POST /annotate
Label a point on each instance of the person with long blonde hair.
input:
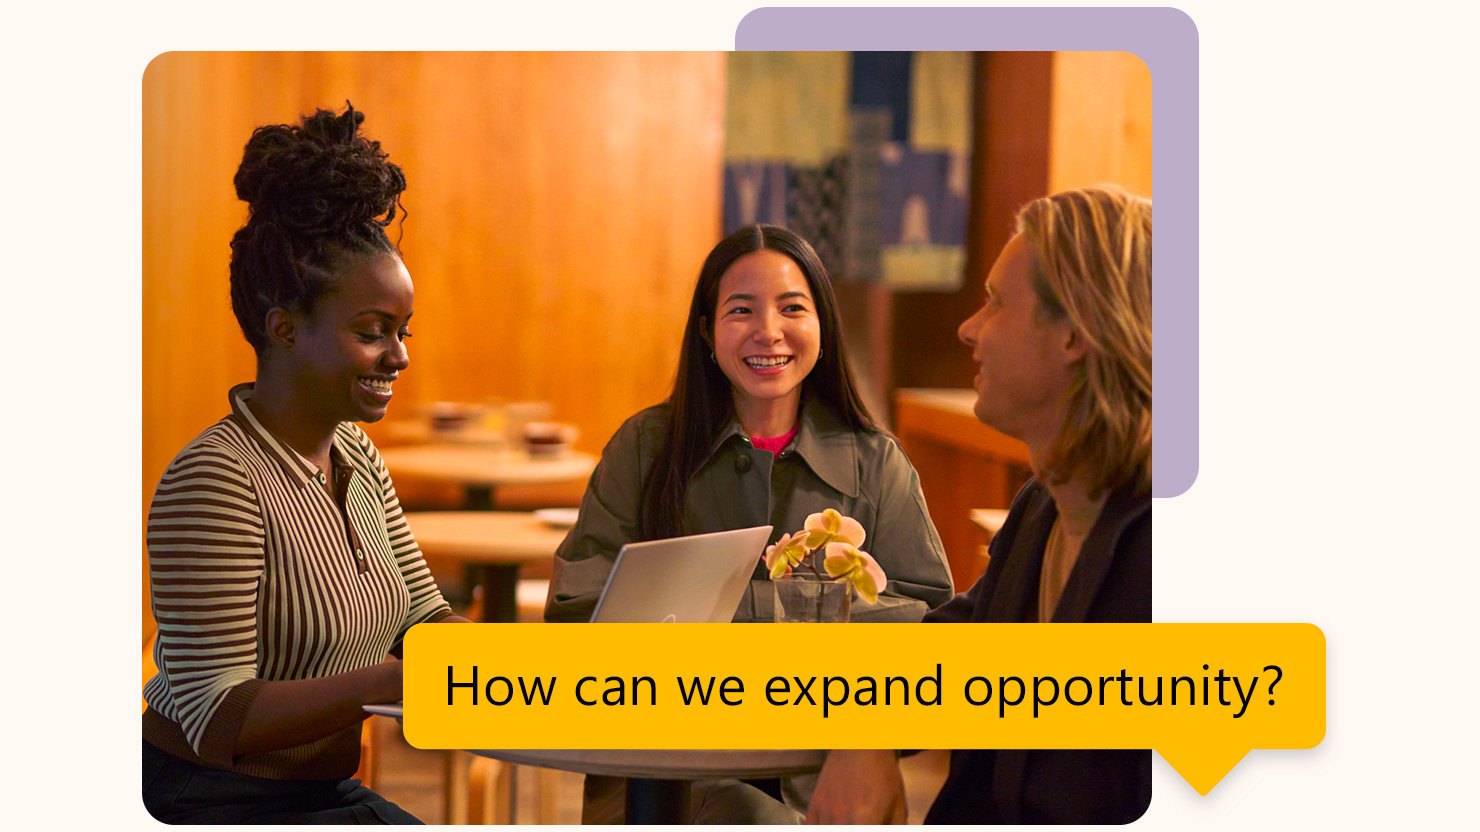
(1063, 351)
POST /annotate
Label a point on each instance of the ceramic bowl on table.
(548, 439)
(451, 417)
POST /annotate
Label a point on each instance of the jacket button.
(742, 463)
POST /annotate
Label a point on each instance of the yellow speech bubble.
(1202, 695)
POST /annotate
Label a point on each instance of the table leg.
(657, 801)
(500, 582)
(478, 498)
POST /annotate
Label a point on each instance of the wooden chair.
(369, 745)
(491, 786)
(490, 792)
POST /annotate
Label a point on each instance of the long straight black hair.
(701, 402)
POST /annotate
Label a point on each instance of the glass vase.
(805, 597)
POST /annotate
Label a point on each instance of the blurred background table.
(397, 432)
(481, 470)
(492, 545)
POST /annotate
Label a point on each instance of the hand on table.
(859, 786)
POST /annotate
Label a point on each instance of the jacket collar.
(825, 444)
(295, 465)
(1017, 597)
(1123, 507)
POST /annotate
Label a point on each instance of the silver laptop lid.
(689, 580)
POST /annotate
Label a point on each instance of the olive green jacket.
(864, 475)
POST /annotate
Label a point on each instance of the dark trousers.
(179, 791)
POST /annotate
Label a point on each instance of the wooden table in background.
(493, 545)
(481, 470)
(393, 433)
(963, 465)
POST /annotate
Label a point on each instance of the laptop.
(694, 579)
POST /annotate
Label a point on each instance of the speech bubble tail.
(1203, 767)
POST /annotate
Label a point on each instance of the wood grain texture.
(559, 207)
(1101, 121)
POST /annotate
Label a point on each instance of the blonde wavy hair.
(1091, 253)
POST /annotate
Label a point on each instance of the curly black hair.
(316, 193)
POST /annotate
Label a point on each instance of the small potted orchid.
(820, 591)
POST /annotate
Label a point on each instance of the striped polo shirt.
(257, 574)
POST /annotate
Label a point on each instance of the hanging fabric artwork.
(865, 154)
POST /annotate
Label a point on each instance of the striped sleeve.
(427, 603)
(206, 543)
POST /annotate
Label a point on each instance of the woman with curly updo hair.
(281, 570)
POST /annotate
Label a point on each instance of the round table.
(393, 433)
(492, 544)
(658, 791)
(480, 470)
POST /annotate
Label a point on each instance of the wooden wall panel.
(560, 205)
(1101, 121)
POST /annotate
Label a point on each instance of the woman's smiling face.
(352, 348)
(766, 334)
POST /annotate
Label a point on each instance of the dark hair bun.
(319, 178)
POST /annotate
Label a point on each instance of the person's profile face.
(1022, 370)
(766, 334)
(352, 348)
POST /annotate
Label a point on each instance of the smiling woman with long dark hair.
(763, 427)
(281, 571)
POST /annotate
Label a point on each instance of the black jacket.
(1110, 582)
